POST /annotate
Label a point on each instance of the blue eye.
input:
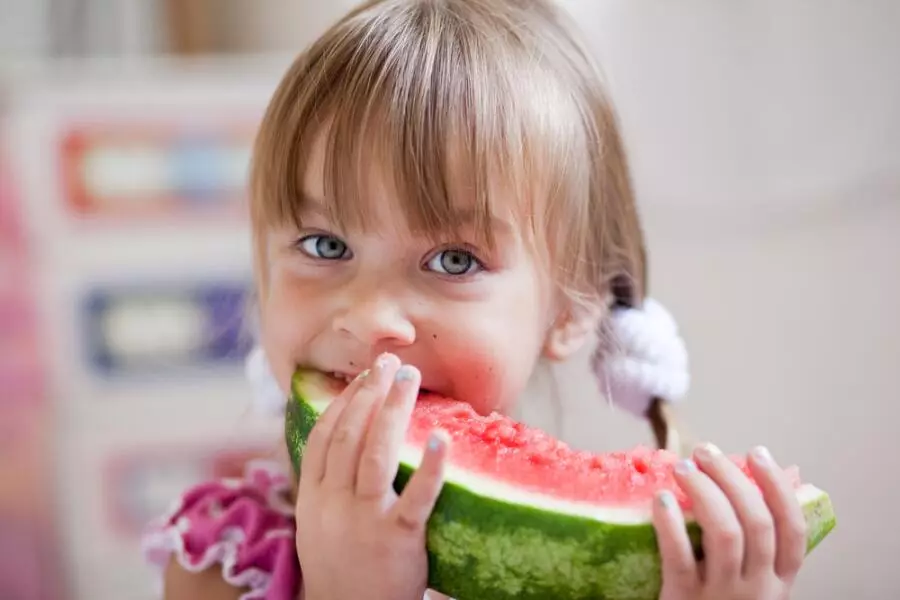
(455, 262)
(325, 247)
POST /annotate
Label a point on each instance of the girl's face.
(474, 320)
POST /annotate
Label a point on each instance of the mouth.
(341, 376)
(346, 378)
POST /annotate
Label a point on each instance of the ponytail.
(641, 362)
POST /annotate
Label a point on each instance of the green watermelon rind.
(481, 546)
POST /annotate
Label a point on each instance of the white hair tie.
(641, 356)
(268, 399)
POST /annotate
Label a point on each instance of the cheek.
(285, 328)
(490, 381)
(490, 359)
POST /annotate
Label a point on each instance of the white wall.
(766, 144)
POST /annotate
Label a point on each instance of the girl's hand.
(754, 542)
(355, 537)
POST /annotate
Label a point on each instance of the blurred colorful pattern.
(29, 566)
(124, 290)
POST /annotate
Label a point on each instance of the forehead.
(380, 200)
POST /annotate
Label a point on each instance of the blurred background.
(765, 141)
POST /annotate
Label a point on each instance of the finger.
(412, 509)
(722, 538)
(341, 465)
(381, 449)
(312, 464)
(749, 506)
(679, 567)
(790, 524)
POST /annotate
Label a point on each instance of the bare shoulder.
(181, 584)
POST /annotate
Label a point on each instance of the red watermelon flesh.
(503, 450)
(527, 458)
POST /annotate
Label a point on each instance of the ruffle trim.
(246, 525)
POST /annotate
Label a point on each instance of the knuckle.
(727, 537)
(373, 463)
(683, 573)
(373, 459)
(341, 435)
(680, 578)
(760, 525)
(792, 566)
(790, 563)
(728, 545)
(368, 385)
(407, 522)
(793, 550)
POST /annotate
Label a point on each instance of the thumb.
(414, 506)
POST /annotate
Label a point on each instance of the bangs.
(456, 114)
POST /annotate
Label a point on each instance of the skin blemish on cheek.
(434, 336)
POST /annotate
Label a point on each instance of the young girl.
(441, 201)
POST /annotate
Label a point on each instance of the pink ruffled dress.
(245, 526)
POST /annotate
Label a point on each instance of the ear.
(571, 330)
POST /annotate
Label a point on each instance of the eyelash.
(317, 237)
(478, 264)
(299, 244)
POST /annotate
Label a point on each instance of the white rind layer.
(490, 488)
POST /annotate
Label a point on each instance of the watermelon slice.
(524, 516)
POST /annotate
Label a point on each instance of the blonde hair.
(455, 100)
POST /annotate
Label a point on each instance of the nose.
(375, 319)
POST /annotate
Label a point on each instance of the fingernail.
(762, 455)
(436, 441)
(363, 374)
(708, 451)
(381, 361)
(685, 466)
(405, 373)
(667, 499)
